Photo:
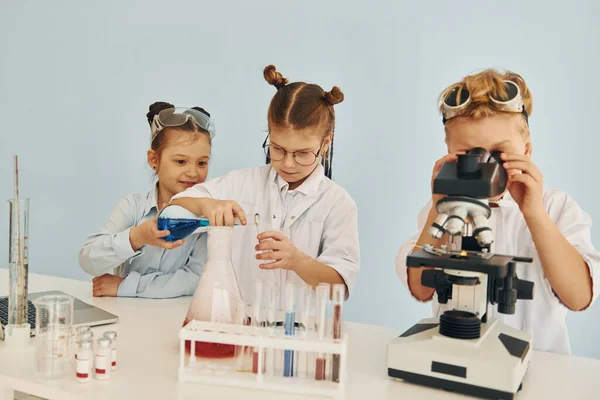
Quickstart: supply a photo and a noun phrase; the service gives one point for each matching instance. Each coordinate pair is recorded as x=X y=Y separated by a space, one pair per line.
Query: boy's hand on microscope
x=221 y=212
x=525 y=184
x=276 y=247
x=450 y=157
x=148 y=234
x=106 y=285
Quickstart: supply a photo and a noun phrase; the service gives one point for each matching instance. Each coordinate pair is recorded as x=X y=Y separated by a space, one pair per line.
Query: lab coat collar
x=309 y=187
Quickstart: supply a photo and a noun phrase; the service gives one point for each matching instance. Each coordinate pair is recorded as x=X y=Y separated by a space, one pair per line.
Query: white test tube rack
x=201 y=370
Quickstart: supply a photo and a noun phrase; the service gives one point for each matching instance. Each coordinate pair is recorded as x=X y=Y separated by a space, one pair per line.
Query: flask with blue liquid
x=181 y=223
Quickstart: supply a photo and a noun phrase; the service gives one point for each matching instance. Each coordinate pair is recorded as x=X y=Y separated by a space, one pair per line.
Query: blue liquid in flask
x=180 y=222
x=180 y=228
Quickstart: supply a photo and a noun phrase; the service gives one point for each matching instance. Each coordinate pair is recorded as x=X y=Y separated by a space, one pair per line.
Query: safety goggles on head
x=457 y=99
x=173 y=117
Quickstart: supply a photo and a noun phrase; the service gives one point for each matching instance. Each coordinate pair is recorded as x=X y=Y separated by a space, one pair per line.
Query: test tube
x=305 y=298
x=257 y=321
x=322 y=292
x=271 y=292
x=290 y=329
x=338 y=297
x=240 y=319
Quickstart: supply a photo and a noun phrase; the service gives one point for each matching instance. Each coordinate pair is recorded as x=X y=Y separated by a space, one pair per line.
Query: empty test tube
x=258 y=321
x=271 y=294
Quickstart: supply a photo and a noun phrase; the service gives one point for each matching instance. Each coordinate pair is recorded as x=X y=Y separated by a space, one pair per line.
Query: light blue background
x=76 y=79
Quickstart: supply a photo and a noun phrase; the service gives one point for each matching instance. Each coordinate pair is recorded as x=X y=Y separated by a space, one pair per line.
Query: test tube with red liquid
x=322 y=297
x=338 y=297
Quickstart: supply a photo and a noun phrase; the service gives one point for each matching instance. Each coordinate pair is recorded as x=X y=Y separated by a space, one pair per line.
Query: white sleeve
x=225 y=187
x=575 y=225
x=407 y=246
x=339 y=242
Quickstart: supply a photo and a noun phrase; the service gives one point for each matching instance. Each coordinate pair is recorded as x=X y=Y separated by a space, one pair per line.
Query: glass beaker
x=53 y=321
x=217 y=294
x=18 y=255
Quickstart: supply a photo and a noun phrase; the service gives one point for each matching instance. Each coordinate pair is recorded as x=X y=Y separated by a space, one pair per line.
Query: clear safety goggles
x=173 y=117
x=457 y=99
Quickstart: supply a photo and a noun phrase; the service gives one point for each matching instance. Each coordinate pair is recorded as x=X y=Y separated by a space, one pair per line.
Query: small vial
x=103 y=357
x=112 y=335
x=85 y=335
x=85 y=358
x=81 y=329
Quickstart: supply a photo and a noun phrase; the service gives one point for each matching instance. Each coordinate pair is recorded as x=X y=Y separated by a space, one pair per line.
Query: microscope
x=465 y=350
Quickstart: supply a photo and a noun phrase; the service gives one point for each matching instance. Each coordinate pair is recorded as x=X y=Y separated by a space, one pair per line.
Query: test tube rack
x=210 y=371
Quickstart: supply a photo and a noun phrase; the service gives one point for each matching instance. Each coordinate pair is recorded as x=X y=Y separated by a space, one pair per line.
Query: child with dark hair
x=179 y=154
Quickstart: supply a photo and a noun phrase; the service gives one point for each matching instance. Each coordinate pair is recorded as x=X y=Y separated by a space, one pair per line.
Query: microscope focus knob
x=524 y=289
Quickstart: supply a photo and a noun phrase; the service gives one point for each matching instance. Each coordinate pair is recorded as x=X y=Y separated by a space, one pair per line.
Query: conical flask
x=217 y=295
x=179 y=222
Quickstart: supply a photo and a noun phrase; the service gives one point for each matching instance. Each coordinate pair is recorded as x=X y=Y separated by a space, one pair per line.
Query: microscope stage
x=492 y=366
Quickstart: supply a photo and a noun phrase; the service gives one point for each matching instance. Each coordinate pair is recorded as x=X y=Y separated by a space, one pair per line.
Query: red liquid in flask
x=209 y=350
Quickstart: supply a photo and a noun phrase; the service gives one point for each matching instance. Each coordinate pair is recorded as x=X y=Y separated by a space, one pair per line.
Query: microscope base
x=492 y=366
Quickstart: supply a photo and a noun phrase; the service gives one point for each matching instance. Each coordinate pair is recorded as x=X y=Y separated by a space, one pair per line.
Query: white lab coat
x=544 y=316
x=320 y=218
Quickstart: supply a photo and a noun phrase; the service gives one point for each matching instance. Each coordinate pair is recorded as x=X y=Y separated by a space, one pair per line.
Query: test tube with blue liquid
x=289 y=326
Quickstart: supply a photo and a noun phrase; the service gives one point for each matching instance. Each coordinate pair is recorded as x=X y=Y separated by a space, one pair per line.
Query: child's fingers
x=269 y=255
x=447 y=158
x=514 y=157
x=275 y=235
x=525 y=179
x=525 y=166
x=239 y=212
x=268 y=245
x=161 y=234
x=273 y=265
x=228 y=217
x=171 y=245
x=219 y=218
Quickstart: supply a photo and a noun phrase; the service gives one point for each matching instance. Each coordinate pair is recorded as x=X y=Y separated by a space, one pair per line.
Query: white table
x=150 y=328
